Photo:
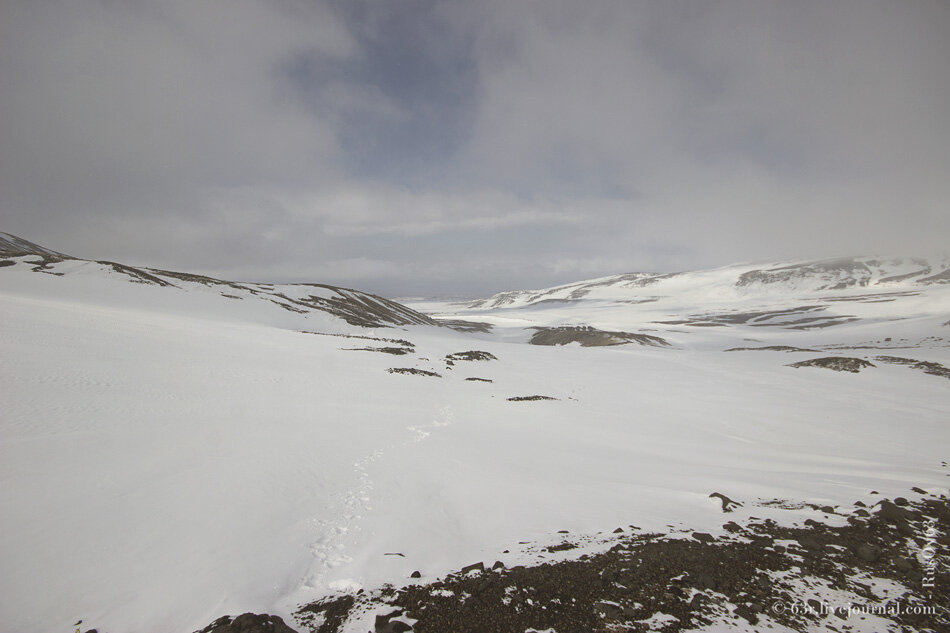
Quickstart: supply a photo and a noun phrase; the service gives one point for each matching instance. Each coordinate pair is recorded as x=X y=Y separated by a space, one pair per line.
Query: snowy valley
x=174 y=448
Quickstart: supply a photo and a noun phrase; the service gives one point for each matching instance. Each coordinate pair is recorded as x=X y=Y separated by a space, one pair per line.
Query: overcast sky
x=467 y=147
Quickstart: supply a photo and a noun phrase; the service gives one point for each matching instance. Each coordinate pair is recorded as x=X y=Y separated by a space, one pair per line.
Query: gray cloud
x=469 y=147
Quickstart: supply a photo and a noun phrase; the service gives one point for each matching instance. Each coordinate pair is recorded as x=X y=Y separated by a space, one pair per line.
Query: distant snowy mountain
x=794 y=277
x=860 y=301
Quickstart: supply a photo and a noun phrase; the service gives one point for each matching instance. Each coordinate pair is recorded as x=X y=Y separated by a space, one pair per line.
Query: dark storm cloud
x=446 y=146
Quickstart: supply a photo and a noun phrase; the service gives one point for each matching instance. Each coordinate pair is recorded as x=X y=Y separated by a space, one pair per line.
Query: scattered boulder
x=610 y=610
x=703 y=537
x=416 y=574
x=529 y=398
x=386 y=624
x=868 y=553
x=903 y=564
x=702 y=580
x=892 y=513
x=473 y=567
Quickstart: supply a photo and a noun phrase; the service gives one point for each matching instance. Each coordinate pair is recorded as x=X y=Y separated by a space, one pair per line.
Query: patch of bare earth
x=757 y=574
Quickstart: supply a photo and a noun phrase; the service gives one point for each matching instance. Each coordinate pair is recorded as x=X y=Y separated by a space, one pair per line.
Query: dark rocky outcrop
x=836 y=363
x=248 y=623
x=591 y=337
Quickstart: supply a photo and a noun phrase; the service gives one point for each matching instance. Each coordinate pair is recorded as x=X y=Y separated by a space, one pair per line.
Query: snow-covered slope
x=868 y=302
x=169 y=454
x=19 y=257
x=804 y=277
x=13 y=244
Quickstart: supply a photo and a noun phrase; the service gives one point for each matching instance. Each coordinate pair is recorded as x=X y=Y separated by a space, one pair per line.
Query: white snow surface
x=168 y=456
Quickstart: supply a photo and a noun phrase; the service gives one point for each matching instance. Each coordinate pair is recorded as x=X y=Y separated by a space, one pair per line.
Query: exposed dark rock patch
x=413 y=371
x=471 y=355
x=461 y=325
x=479 y=379
x=928 y=367
x=397 y=341
x=804 y=317
x=837 y=363
x=771 y=348
x=727 y=504
x=333 y=612
x=395 y=351
x=561 y=547
x=13 y=246
x=249 y=623
x=529 y=398
x=591 y=337
x=833 y=274
x=942 y=277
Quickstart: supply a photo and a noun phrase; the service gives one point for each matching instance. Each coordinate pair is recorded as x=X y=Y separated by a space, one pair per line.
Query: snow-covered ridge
x=13 y=244
x=353 y=307
x=815 y=276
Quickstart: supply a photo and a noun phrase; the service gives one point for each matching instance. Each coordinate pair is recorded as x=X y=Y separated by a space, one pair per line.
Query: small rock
x=745 y=612
x=248 y=623
x=809 y=543
x=903 y=564
x=867 y=552
x=731 y=526
x=702 y=580
x=860 y=504
x=384 y=625
x=611 y=611
x=827 y=509
x=416 y=574
x=918 y=490
x=861 y=512
x=618 y=530
x=473 y=567
x=891 y=512
x=498 y=565
x=901 y=501
x=703 y=537
x=727 y=503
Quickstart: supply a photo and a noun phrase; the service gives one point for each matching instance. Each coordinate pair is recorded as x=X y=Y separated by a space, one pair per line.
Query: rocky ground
x=888 y=562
